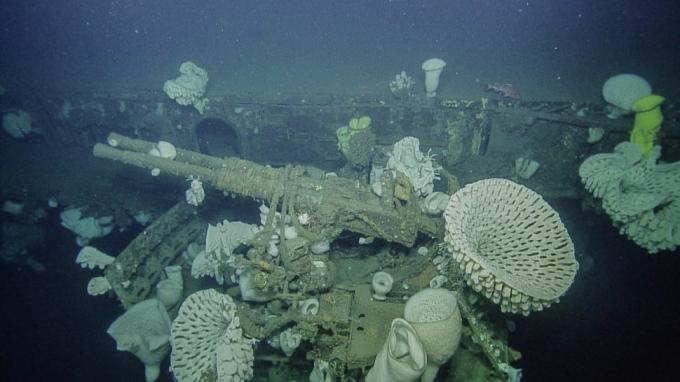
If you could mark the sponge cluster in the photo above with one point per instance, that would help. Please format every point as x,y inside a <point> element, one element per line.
<point>510,244</point>
<point>188,89</point>
<point>641,196</point>
<point>420,168</point>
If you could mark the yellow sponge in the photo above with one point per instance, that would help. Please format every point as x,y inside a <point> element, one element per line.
<point>345,133</point>
<point>648,119</point>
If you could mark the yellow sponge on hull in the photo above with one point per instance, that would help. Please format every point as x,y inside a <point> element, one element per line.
<point>345,133</point>
<point>648,119</point>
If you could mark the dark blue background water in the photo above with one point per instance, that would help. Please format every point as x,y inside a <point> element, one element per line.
<point>549,49</point>
<point>612,325</point>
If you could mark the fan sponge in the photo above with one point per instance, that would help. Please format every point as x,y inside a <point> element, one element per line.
<point>207,340</point>
<point>510,244</point>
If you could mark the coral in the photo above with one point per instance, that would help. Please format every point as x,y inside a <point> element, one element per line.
<point>189,88</point>
<point>144,330</point>
<point>511,245</point>
<point>207,340</point>
<point>640,196</point>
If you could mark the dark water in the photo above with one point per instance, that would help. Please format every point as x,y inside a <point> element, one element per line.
<point>618,322</point>
<point>548,49</point>
<point>51,328</point>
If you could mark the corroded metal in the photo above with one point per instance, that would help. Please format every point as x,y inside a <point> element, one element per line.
<point>341,203</point>
<point>136,270</point>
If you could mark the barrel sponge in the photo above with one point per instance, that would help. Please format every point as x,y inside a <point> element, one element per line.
<point>510,244</point>
<point>435,316</point>
<point>622,90</point>
<point>641,196</point>
<point>207,340</point>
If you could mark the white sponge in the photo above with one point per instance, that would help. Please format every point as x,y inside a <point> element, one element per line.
<point>622,90</point>
<point>17,124</point>
<point>189,87</point>
<point>144,330</point>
